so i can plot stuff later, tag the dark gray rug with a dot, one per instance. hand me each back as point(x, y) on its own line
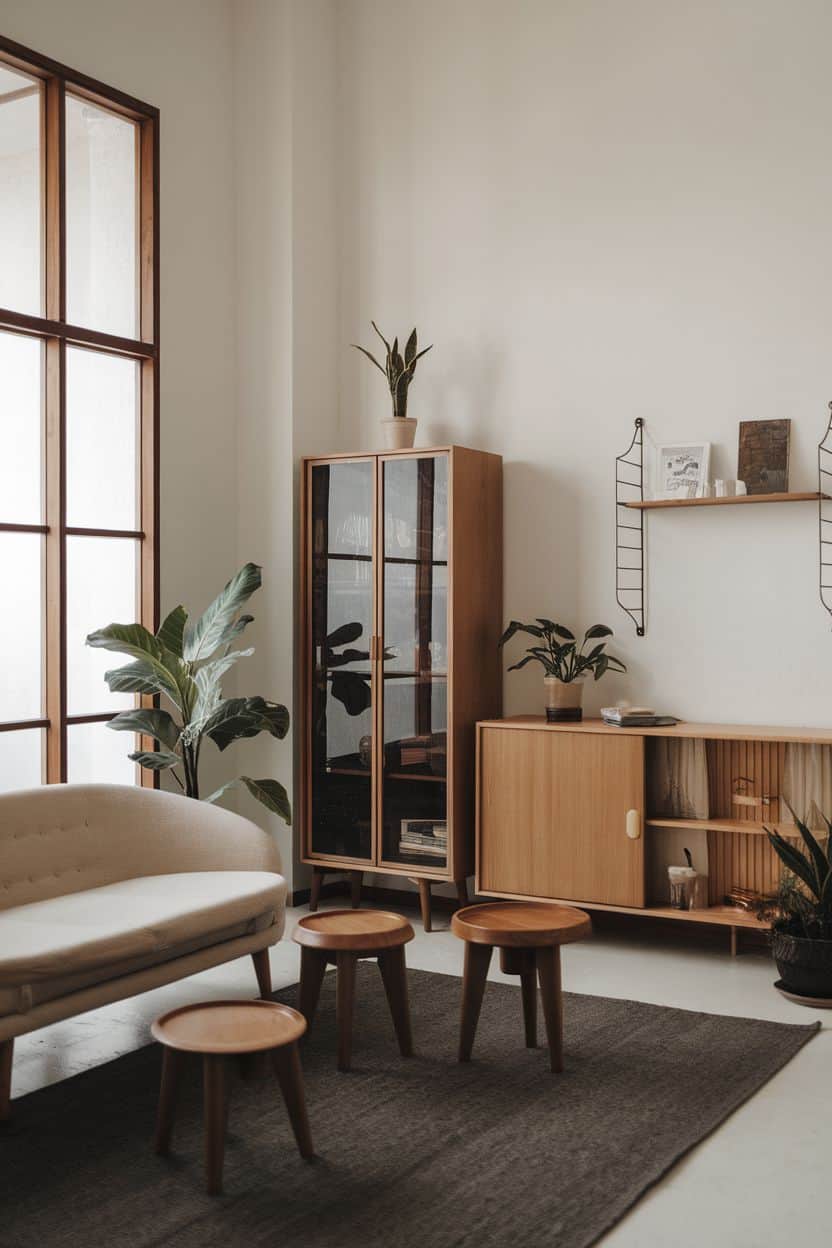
point(411, 1153)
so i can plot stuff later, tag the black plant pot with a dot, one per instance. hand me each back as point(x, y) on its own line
point(805, 965)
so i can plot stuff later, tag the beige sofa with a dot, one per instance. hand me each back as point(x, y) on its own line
point(108, 890)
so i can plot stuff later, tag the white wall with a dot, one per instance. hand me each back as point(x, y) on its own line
point(599, 211)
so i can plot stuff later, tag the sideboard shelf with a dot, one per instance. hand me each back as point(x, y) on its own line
point(746, 826)
point(654, 504)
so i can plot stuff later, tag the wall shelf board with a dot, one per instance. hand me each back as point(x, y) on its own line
point(655, 504)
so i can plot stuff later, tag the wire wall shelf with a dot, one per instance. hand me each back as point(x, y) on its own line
point(825, 516)
point(629, 529)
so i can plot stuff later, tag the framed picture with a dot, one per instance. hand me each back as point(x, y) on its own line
point(683, 469)
point(763, 459)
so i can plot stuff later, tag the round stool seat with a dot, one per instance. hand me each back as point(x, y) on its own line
point(229, 1027)
point(353, 930)
point(521, 924)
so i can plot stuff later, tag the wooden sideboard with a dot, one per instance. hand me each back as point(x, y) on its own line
point(562, 815)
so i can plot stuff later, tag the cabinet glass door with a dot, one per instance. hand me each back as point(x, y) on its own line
point(342, 616)
point(414, 711)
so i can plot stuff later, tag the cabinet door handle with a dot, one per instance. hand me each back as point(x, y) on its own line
point(633, 824)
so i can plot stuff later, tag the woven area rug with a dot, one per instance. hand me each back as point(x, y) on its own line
point(410, 1153)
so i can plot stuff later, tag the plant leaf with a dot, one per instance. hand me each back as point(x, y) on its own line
point(381, 336)
point(204, 637)
point(370, 357)
point(597, 630)
point(172, 630)
point(136, 677)
point(234, 630)
point(516, 627)
point(157, 760)
point(347, 632)
point(272, 795)
point(410, 350)
point(352, 690)
point(818, 857)
point(561, 631)
point(171, 674)
point(793, 859)
point(529, 658)
point(245, 717)
point(149, 721)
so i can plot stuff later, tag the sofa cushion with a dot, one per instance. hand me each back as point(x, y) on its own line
point(151, 916)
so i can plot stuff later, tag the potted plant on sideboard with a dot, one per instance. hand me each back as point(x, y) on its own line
point(801, 935)
point(399, 429)
point(566, 664)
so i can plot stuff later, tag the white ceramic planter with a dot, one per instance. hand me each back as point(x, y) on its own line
point(399, 432)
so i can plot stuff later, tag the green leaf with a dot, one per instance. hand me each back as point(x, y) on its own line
point(370, 357)
point(352, 690)
point(151, 722)
point(793, 859)
point(204, 637)
point(381, 336)
point(597, 630)
point(136, 677)
point(245, 717)
point(171, 674)
point(529, 658)
point(413, 362)
point(158, 760)
point(561, 631)
point(347, 656)
point(410, 350)
point(516, 627)
point(234, 630)
point(818, 857)
point(601, 666)
point(272, 794)
point(172, 630)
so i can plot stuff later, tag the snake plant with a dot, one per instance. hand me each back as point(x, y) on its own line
point(397, 369)
point(806, 907)
point(184, 663)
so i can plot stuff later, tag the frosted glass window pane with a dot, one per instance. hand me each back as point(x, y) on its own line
point(101, 219)
point(21, 271)
point(21, 759)
point(20, 427)
point(102, 405)
point(97, 755)
point(100, 590)
point(20, 626)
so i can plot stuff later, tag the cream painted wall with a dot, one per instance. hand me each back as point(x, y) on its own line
point(599, 211)
point(178, 57)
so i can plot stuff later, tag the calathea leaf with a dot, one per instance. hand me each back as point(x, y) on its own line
point(156, 760)
point(149, 721)
point(561, 631)
point(245, 717)
point(172, 630)
point(597, 630)
point(271, 793)
point(203, 637)
point(516, 627)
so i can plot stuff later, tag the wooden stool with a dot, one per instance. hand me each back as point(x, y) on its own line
point(340, 938)
point(529, 936)
point(219, 1030)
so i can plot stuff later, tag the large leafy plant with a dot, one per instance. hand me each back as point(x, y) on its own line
point(559, 653)
point(397, 369)
point(184, 663)
point(805, 894)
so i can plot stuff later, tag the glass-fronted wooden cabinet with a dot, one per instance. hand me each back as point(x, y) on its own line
point(402, 612)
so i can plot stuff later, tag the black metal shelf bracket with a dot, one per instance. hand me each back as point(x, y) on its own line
point(825, 516)
point(629, 531)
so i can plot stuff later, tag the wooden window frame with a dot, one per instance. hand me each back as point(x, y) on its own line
point(57, 334)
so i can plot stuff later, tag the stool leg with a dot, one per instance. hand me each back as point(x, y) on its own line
point(286, 1061)
point(315, 887)
point(312, 971)
point(356, 880)
point(344, 1004)
point(263, 971)
point(477, 959)
point(393, 969)
point(424, 903)
point(215, 1110)
point(528, 986)
point(548, 973)
point(172, 1061)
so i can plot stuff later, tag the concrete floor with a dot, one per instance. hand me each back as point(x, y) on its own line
point(759, 1180)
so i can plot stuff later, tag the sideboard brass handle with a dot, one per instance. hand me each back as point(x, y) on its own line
point(633, 824)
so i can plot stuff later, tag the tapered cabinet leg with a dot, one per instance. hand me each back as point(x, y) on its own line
point(424, 903)
point(345, 1006)
point(6, 1059)
point(477, 959)
point(172, 1061)
point(356, 880)
point(286, 1062)
point(393, 969)
point(548, 973)
point(215, 1110)
point(312, 971)
point(263, 971)
point(462, 893)
point(315, 887)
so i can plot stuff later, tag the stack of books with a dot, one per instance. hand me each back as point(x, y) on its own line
point(635, 717)
point(424, 838)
